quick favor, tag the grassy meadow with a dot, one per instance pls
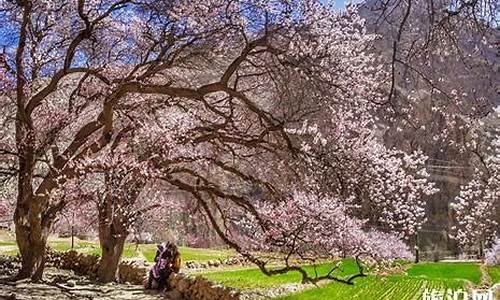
(147, 251)
(406, 285)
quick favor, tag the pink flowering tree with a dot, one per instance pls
(55, 114)
(435, 94)
(386, 187)
(117, 176)
(356, 199)
(476, 207)
(309, 228)
(112, 194)
(492, 254)
(200, 95)
(78, 217)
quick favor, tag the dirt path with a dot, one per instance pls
(485, 276)
(81, 290)
(65, 285)
(277, 291)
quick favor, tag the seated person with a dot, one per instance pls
(167, 261)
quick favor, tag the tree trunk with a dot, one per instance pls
(31, 237)
(112, 235)
(31, 230)
(417, 253)
(32, 249)
(112, 248)
(72, 237)
(32, 225)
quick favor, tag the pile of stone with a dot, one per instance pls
(231, 261)
(133, 272)
(9, 265)
(80, 263)
(185, 287)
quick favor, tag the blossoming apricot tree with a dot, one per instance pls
(201, 95)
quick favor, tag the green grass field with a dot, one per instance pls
(394, 287)
(494, 273)
(187, 253)
(408, 286)
(146, 251)
(7, 243)
(467, 271)
(253, 278)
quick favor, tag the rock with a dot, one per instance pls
(173, 295)
(133, 273)
(71, 283)
(182, 284)
(231, 261)
(199, 288)
(23, 281)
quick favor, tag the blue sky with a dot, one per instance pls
(339, 4)
(6, 37)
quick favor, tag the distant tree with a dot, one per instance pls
(492, 254)
(477, 207)
(78, 217)
(443, 59)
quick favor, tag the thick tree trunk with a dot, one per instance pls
(112, 236)
(32, 226)
(114, 221)
(32, 245)
(112, 248)
(31, 236)
(31, 229)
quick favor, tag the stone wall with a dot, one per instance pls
(135, 272)
(198, 288)
(231, 261)
(81, 264)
